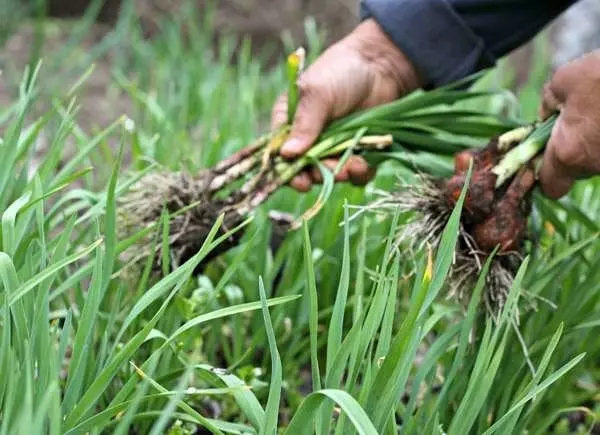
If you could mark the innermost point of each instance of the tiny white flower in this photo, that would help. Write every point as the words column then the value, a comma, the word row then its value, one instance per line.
column 129, row 124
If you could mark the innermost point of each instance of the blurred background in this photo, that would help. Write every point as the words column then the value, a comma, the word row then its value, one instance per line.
column 268, row 24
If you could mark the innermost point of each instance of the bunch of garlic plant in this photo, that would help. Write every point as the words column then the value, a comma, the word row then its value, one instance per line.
column 422, row 130
column 500, row 179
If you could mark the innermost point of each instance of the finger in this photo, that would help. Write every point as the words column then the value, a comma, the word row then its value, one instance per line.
column 555, row 178
column 550, row 102
column 556, row 90
column 356, row 170
column 331, row 164
column 316, row 175
column 279, row 112
column 342, row 175
column 301, row 182
column 359, row 171
column 312, row 114
column 564, row 79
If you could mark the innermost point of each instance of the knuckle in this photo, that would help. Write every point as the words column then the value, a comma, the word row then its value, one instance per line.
column 575, row 149
column 594, row 65
column 591, row 153
column 566, row 153
column 547, row 94
column 303, row 121
column 560, row 75
column 305, row 84
column 308, row 88
column 561, row 82
column 315, row 87
column 547, row 89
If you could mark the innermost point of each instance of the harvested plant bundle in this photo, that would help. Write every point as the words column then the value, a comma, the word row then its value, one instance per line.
column 495, row 208
column 421, row 130
column 194, row 204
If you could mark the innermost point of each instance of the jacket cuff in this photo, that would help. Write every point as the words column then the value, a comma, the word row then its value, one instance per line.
column 433, row 36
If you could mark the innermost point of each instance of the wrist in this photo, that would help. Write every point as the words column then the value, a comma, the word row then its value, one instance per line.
column 373, row 44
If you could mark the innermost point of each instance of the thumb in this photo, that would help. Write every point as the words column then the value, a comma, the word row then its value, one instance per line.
column 551, row 102
column 312, row 114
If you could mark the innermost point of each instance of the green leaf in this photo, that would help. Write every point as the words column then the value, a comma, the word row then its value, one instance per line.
column 336, row 325
column 159, row 289
column 313, row 322
column 51, row 271
column 99, row 385
column 542, row 386
column 9, row 239
column 466, row 327
column 128, row 387
column 110, row 220
column 203, row 421
column 445, row 252
column 310, row 407
column 272, row 410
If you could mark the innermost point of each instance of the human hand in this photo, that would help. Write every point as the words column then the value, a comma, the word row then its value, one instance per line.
column 363, row 70
column 573, row 151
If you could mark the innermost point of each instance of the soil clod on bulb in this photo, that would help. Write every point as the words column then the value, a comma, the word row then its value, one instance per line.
column 507, row 223
column 494, row 214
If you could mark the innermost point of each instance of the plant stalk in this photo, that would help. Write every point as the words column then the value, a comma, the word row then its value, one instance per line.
column 242, row 154
column 523, row 153
column 283, row 172
column 295, row 65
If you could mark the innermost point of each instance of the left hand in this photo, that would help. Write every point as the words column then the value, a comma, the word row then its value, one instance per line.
column 573, row 151
column 363, row 70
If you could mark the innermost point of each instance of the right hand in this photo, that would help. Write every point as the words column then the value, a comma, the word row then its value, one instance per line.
column 363, row 70
column 573, row 151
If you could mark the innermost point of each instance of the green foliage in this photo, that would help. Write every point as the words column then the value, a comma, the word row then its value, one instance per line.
column 338, row 330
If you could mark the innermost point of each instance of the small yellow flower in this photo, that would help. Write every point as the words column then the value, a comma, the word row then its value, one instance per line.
column 549, row 228
column 296, row 59
column 429, row 270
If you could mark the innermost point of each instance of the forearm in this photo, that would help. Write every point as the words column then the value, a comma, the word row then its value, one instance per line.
column 450, row 39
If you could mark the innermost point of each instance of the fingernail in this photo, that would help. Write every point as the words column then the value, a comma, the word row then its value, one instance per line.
column 291, row 147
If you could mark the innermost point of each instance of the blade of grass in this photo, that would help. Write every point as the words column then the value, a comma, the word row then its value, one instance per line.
column 313, row 317
column 203, row 421
column 310, row 407
column 336, row 324
column 535, row 391
column 269, row 426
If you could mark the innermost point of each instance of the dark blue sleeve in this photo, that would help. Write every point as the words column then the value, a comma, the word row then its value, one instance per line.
column 451, row 39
